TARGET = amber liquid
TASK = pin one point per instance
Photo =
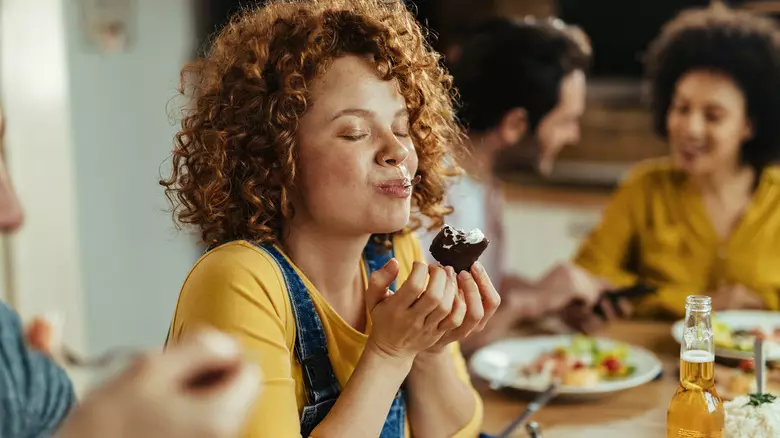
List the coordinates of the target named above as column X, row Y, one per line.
column 696, row 410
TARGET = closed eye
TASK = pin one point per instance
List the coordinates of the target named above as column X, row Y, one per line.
column 354, row 137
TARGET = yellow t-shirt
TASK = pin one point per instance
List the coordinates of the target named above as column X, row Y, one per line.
column 239, row 289
column 657, row 230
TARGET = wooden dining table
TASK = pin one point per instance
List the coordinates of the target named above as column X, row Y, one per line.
column 637, row 413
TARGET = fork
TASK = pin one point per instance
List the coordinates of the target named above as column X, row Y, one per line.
column 73, row 359
column 533, row 407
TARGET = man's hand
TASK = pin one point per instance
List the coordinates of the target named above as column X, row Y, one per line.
column 567, row 283
column 200, row 388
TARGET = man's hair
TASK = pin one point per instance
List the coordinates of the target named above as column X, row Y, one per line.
column 510, row 63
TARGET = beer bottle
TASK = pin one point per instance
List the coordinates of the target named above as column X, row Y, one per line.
column 696, row 410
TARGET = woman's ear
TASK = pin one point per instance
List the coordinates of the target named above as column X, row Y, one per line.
column 749, row 131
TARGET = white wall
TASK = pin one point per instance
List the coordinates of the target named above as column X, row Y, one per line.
column 132, row 260
column 539, row 235
column 44, row 256
column 86, row 135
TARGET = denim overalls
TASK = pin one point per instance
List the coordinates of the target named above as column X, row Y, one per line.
column 311, row 349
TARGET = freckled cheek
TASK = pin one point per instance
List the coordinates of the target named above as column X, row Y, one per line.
column 335, row 180
column 324, row 177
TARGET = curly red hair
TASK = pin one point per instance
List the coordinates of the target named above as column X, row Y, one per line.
column 233, row 164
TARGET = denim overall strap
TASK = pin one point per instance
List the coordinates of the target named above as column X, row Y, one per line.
column 310, row 344
column 311, row 349
column 375, row 257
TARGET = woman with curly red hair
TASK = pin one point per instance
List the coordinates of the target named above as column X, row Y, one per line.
column 309, row 124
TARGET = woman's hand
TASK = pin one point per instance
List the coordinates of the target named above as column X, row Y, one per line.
column 412, row 319
column 475, row 304
column 404, row 323
column 736, row 296
column 441, row 402
column 200, row 388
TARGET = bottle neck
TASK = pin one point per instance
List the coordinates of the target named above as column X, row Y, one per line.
column 697, row 332
column 697, row 349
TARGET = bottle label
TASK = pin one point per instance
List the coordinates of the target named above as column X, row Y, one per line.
column 684, row 433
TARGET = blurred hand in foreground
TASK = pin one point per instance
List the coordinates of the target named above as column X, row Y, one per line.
column 200, row 388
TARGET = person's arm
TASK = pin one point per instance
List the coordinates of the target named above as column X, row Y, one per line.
column 35, row 394
column 512, row 282
column 670, row 298
column 364, row 403
column 198, row 388
column 605, row 251
column 517, row 306
column 236, row 290
column 411, row 320
column 442, row 401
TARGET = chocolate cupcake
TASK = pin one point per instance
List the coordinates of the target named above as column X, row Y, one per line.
column 459, row 249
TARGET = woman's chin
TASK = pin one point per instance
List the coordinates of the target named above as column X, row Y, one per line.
column 390, row 225
column 691, row 167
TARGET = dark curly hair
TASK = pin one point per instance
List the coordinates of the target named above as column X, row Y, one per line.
column 739, row 44
column 508, row 63
column 234, row 160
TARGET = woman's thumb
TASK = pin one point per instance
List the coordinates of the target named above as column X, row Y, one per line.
column 379, row 281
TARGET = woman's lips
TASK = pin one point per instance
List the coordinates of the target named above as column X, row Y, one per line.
column 397, row 188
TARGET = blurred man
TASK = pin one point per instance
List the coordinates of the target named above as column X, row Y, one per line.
column 35, row 394
column 200, row 388
column 522, row 87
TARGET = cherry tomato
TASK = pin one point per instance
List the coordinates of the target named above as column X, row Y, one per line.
column 612, row 364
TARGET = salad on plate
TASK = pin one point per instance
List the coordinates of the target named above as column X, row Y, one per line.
column 741, row 339
column 581, row 363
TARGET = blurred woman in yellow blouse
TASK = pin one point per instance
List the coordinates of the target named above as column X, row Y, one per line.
column 706, row 219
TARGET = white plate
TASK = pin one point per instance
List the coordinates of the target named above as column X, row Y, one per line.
column 495, row 361
column 741, row 320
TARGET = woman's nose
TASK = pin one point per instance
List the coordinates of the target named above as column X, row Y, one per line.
column 694, row 125
column 393, row 153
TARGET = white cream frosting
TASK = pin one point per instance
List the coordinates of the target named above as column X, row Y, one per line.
column 474, row 236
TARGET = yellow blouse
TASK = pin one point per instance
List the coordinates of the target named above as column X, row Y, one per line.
column 657, row 231
column 239, row 289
